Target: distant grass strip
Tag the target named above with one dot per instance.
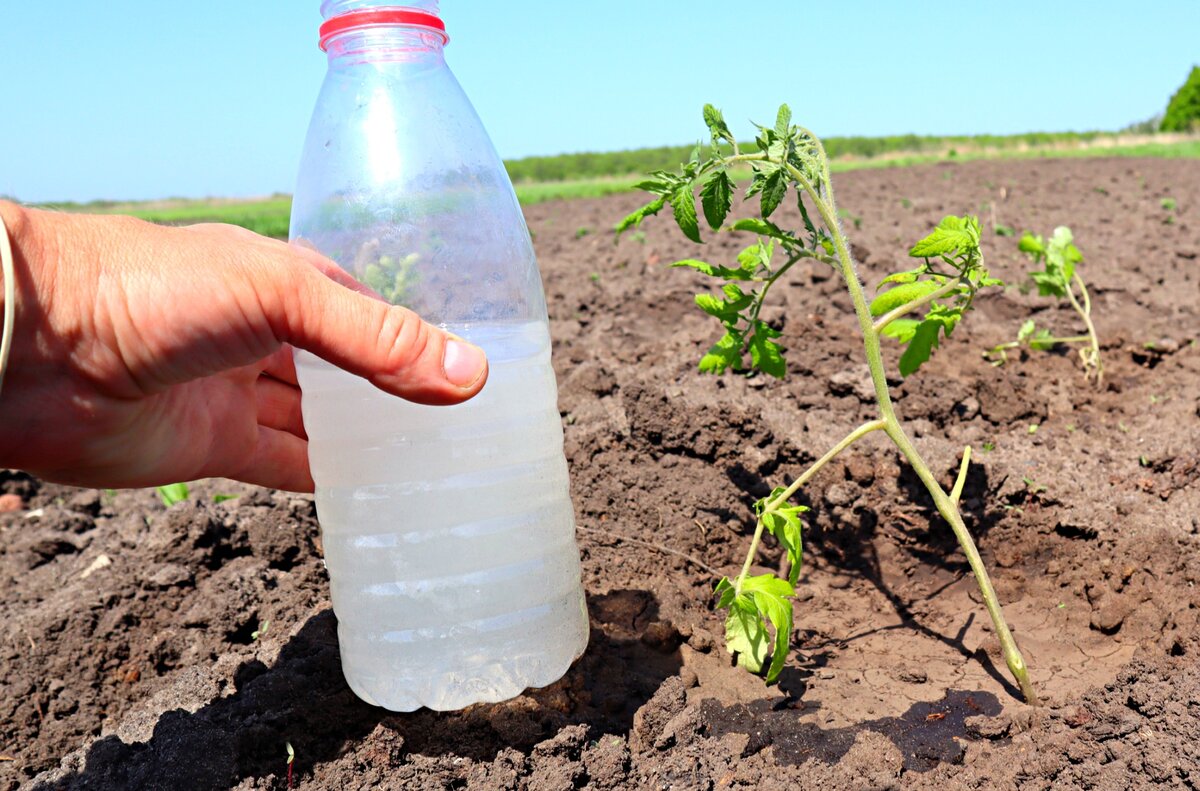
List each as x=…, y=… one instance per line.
x=270, y=216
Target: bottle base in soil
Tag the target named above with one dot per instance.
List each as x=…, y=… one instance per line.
x=449, y=534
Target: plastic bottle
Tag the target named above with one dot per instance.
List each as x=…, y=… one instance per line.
x=449, y=534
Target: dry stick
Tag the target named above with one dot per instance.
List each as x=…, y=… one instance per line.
x=649, y=545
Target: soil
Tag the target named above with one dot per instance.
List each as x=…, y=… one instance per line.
x=182, y=647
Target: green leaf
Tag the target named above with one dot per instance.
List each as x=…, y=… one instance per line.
x=716, y=196
x=713, y=271
x=786, y=526
x=699, y=266
x=1026, y=330
x=220, y=498
x=716, y=124
x=920, y=346
x=713, y=306
x=901, y=329
x=735, y=299
x=1031, y=245
x=683, y=203
x=745, y=634
x=951, y=234
x=634, y=219
x=724, y=354
x=656, y=186
x=765, y=354
x=172, y=493
x=773, y=190
x=903, y=277
x=770, y=595
x=1049, y=284
x=783, y=120
x=1042, y=341
x=761, y=227
x=902, y=295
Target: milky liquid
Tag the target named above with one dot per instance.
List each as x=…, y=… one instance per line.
x=449, y=534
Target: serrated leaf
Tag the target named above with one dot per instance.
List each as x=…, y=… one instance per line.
x=922, y=343
x=724, y=592
x=901, y=329
x=761, y=227
x=785, y=525
x=716, y=196
x=735, y=299
x=724, y=354
x=765, y=354
x=779, y=613
x=770, y=596
x=634, y=219
x=715, y=122
x=773, y=190
x=783, y=120
x=902, y=295
x=745, y=634
x=952, y=234
x=683, y=203
x=699, y=266
x=713, y=306
x=656, y=186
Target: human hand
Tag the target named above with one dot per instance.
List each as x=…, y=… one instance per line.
x=145, y=355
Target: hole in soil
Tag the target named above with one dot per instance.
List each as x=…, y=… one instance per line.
x=1075, y=531
x=244, y=634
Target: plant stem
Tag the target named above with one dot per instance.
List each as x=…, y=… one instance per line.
x=845, y=442
x=947, y=508
x=956, y=492
x=1086, y=313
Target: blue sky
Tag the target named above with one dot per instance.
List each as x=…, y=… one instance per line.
x=131, y=99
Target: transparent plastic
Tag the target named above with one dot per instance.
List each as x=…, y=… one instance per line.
x=448, y=532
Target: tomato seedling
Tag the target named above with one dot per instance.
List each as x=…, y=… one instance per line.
x=939, y=290
x=1059, y=277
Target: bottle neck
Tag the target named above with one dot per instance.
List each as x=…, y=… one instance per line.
x=385, y=43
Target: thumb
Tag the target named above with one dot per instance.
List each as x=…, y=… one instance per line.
x=387, y=345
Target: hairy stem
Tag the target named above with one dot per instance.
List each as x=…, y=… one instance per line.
x=845, y=442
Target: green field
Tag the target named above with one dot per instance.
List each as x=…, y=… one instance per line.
x=592, y=175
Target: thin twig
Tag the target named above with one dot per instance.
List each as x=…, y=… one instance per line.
x=649, y=545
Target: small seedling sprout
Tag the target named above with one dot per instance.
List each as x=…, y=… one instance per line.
x=937, y=292
x=1060, y=278
x=291, y=754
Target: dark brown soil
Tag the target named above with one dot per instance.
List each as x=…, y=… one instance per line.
x=146, y=672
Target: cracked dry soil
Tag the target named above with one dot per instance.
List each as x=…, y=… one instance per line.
x=146, y=673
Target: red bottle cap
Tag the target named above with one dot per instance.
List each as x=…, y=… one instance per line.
x=382, y=16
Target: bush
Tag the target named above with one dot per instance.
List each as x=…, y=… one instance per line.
x=1183, y=111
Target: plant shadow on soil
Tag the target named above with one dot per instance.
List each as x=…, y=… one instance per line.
x=927, y=734
x=303, y=699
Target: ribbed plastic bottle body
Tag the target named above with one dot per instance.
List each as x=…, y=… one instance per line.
x=448, y=531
